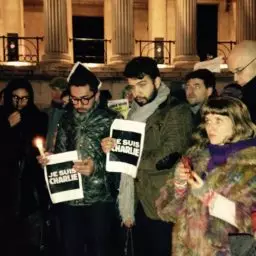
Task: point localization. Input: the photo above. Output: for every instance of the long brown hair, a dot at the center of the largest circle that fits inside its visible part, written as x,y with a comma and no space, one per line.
243,127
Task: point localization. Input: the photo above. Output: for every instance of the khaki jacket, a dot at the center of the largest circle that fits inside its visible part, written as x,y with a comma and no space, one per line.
168,130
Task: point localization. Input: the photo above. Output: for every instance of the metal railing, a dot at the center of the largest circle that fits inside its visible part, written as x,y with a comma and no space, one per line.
224,47
22,49
27,49
161,50
90,50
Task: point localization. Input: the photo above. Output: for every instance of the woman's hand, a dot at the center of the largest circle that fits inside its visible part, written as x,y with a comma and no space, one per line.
43,160
85,167
200,190
14,118
182,173
107,144
195,181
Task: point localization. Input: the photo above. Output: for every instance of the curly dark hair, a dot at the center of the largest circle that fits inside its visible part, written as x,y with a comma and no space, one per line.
141,66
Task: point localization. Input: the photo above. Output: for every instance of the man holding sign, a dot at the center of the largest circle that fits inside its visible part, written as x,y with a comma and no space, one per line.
167,134
86,222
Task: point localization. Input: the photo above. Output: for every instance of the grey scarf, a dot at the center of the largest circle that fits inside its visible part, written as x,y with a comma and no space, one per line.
126,188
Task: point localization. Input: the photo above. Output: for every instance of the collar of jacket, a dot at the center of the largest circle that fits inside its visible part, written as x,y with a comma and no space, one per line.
169,101
249,89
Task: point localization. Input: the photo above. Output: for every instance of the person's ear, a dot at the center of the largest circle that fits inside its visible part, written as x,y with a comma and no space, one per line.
157,82
209,91
97,96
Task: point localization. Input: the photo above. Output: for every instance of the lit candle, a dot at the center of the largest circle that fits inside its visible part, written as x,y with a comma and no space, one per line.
39,145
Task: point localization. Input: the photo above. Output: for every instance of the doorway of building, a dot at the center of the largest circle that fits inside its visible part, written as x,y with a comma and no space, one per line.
90,51
207,30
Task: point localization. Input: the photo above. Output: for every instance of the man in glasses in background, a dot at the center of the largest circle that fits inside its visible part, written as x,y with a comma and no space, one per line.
86,224
242,63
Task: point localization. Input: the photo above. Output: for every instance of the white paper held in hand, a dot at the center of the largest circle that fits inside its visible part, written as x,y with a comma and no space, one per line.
126,155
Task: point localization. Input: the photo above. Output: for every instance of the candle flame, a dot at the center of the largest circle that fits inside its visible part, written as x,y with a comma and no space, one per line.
39,142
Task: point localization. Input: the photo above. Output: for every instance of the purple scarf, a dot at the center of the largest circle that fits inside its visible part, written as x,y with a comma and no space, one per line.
220,153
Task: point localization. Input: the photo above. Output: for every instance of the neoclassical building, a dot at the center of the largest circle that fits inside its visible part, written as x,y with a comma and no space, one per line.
175,32
130,26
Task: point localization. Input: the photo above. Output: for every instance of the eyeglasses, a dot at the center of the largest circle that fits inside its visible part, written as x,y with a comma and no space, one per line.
240,69
83,100
18,98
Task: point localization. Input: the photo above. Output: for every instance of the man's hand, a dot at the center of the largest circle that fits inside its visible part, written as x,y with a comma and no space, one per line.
107,144
14,118
85,167
43,160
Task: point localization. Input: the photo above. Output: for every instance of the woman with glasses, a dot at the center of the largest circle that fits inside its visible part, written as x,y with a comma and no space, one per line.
213,193
22,190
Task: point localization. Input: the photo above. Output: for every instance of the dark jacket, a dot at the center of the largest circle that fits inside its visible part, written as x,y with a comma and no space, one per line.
248,98
84,132
19,168
54,112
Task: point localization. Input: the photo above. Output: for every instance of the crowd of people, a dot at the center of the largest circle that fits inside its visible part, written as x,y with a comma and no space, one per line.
195,185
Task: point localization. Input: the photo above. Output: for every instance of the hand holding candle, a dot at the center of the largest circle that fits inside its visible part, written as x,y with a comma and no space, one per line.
39,144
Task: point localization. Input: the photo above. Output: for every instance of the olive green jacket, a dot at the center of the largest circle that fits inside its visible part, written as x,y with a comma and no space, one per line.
168,130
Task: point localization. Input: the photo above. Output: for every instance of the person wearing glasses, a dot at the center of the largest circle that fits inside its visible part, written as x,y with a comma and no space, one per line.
199,86
242,63
86,224
22,191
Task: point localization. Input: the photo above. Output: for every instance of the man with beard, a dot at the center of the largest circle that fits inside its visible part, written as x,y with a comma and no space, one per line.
87,224
242,63
199,86
168,130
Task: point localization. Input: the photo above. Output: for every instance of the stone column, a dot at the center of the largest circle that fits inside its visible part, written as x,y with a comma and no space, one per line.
57,31
122,31
2,31
245,20
157,22
12,22
13,16
185,46
108,28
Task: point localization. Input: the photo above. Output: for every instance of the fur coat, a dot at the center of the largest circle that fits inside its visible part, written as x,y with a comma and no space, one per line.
196,233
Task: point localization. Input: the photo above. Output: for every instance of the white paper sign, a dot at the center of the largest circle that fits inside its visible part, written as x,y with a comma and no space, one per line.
63,182
213,65
125,157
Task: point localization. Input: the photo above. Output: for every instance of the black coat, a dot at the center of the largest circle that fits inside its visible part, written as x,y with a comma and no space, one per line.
249,94
20,172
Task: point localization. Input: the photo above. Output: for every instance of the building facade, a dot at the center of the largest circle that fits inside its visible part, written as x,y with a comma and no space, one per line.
166,29
175,32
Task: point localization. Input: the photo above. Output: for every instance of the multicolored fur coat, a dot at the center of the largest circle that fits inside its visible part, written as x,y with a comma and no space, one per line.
196,233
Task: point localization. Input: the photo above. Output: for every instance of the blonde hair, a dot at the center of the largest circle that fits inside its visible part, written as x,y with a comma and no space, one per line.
243,127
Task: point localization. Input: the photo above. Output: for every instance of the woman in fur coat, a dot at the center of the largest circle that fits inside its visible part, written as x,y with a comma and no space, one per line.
213,192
